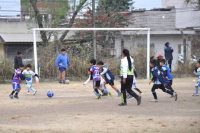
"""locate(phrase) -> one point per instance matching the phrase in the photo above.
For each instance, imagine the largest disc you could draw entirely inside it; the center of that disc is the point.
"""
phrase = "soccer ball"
(50, 94)
(67, 81)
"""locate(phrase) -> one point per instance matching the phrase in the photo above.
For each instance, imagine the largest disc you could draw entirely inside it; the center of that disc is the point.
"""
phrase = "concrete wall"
(187, 18)
(157, 40)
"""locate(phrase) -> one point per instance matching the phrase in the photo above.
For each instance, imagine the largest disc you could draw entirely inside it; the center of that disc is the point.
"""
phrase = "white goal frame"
(91, 29)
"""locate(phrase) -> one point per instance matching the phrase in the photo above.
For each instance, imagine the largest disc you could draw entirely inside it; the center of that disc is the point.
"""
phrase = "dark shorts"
(110, 82)
(62, 69)
(96, 83)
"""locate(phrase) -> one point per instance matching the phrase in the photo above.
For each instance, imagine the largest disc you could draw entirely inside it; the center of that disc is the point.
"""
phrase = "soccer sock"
(155, 95)
(12, 92)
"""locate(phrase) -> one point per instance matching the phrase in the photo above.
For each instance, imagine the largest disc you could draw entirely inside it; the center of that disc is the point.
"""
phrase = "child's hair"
(28, 65)
(153, 62)
(100, 63)
(18, 53)
(127, 54)
(63, 50)
(93, 61)
(163, 61)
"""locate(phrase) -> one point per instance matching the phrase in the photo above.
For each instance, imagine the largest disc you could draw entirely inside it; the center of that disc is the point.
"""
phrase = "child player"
(94, 70)
(28, 74)
(197, 73)
(108, 77)
(166, 72)
(16, 78)
(158, 80)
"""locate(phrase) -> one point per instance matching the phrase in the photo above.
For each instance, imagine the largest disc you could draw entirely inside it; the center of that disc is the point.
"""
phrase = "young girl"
(197, 73)
(28, 74)
(16, 84)
(127, 72)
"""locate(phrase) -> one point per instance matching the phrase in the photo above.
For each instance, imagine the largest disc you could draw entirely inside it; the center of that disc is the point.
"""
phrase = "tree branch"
(71, 22)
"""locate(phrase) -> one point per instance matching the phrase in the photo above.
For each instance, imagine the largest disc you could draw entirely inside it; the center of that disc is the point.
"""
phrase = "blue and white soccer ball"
(50, 94)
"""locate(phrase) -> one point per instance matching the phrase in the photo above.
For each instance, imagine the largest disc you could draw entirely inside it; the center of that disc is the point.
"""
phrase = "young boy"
(16, 84)
(108, 77)
(158, 80)
(94, 70)
(28, 74)
(197, 73)
(166, 72)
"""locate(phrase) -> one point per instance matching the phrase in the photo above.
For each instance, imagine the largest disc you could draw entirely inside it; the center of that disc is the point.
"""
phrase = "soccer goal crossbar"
(91, 29)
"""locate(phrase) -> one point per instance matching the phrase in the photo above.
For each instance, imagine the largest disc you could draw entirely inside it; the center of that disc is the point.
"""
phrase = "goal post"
(91, 29)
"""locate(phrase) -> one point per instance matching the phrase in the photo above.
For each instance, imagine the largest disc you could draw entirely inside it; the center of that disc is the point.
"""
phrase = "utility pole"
(94, 32)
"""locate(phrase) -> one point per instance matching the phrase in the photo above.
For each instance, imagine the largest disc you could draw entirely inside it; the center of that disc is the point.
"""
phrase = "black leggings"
(162, 87)
(127, 88)
(169, 86)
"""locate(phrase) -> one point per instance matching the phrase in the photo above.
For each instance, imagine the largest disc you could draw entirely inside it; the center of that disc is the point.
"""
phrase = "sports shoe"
(16, 96)
(175, 96)
(110, 94)
(195, 94)
(154, 100)
(99, 96)
(122, 104)
(34, 92)
(139, 100)
(11, 96)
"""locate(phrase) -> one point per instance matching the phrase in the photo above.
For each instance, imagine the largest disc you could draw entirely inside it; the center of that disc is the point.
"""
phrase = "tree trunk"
(39, 21)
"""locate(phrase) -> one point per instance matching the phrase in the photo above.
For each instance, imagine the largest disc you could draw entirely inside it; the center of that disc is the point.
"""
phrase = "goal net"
(83, 44)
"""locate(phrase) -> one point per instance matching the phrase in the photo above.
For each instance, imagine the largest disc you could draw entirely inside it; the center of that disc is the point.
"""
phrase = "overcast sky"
(148, 4)
(12, 7)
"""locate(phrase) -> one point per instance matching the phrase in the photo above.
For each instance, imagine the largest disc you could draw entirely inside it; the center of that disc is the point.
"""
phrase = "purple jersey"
(16, 78)
(95, 73)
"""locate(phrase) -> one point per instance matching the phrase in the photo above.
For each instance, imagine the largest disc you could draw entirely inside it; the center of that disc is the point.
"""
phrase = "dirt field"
(74, 109)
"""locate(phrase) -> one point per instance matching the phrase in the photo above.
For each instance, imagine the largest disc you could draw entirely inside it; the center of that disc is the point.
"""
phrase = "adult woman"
(127, 72)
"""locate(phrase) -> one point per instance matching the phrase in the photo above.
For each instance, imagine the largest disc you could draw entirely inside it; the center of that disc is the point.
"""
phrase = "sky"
(12, 7)
(148, 4)
(9, 7)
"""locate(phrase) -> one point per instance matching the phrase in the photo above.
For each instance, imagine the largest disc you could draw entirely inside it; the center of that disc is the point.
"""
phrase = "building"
(179, 26)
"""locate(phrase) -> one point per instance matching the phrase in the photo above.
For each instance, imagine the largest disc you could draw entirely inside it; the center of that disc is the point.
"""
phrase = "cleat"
(99, 96)
(16, 96)
(11, 96)
(34, 92)
(139, 100)
(175, 96)
(122, 104)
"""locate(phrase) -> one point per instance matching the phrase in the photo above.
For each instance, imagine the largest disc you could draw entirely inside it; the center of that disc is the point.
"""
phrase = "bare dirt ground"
(74, 109)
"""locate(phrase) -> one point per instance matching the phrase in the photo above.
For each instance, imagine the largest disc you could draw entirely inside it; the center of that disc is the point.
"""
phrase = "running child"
(108, 77)
(94, 70)
(16, 78)
(28, 74)
(159, 82)
(103, 88)
(166, 72)
(197, 73)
